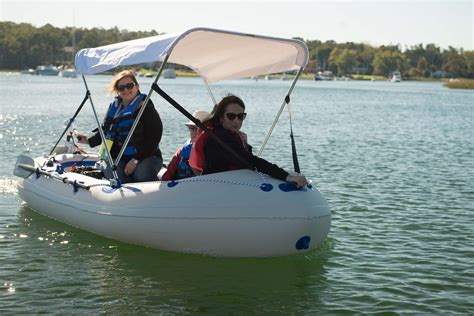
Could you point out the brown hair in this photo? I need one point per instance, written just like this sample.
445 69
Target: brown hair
219 109
123 74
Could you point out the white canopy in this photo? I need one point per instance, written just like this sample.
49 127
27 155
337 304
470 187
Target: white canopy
214 54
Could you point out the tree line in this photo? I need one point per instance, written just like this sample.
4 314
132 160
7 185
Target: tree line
26 46
416 61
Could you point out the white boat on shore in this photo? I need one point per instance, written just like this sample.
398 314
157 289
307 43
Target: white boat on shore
396 76
240 213
169 73
68 73
47 70
29 71
324 76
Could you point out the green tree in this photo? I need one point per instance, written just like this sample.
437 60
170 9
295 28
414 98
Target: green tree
365 58
469 60
320 52
433 56
455 64
423 67
388 61
333 59
346 61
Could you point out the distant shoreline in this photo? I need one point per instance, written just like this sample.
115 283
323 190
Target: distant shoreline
453 84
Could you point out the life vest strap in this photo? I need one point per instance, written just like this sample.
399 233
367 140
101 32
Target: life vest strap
296 164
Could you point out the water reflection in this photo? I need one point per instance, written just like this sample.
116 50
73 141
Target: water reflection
203 284
99 274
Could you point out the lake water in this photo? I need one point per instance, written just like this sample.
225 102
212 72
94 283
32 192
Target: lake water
394 160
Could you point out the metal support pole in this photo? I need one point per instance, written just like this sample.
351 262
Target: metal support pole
279 112
101 132
210 94
71 120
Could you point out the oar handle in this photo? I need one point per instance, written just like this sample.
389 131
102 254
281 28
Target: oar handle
49 174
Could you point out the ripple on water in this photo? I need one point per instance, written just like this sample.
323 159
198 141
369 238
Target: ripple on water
8 186
394 162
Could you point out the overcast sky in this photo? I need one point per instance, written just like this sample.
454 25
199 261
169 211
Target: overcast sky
445 23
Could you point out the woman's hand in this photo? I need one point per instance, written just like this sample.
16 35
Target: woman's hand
81 138
130 167
299 181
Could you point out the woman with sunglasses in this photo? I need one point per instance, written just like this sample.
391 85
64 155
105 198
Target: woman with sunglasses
225 122
141 160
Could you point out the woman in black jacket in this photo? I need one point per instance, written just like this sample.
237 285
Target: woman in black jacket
226 121
141 160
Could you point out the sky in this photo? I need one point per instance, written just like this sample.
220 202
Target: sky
405 23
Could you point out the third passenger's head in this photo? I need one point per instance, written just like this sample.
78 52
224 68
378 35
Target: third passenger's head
229 113
202 116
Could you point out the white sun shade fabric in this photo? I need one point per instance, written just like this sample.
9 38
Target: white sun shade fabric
214 54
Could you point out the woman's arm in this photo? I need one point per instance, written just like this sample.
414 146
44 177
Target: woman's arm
218 159
153 129
94 140
269 168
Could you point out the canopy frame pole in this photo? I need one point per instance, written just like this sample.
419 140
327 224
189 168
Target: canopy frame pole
102 136
210 94
202 126
285 101
71 120
142 108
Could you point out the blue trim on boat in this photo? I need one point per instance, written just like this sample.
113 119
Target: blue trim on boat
108 189
78 163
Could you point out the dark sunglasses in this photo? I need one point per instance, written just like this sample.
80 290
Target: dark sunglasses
129 86
231 116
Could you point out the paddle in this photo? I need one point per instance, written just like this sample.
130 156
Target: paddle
24 167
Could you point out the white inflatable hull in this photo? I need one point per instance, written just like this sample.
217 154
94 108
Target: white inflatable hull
226 214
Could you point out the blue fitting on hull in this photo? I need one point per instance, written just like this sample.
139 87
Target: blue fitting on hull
266 187
75 186
59 169
290 186
303 243
172 184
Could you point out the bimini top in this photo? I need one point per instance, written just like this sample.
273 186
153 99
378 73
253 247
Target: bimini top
214 54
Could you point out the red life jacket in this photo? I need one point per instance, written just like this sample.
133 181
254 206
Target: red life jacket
196 157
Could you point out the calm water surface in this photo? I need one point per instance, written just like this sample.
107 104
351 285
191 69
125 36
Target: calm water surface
395 162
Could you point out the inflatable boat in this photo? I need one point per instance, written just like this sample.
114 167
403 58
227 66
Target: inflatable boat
240 213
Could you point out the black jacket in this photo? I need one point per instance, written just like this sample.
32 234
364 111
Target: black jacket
218 159
150 129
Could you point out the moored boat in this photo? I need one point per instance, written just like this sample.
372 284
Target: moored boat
169 73
396 76
29 71
47 70
68 73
